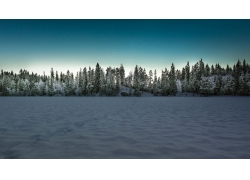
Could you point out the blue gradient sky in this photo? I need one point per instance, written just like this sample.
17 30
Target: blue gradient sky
38 45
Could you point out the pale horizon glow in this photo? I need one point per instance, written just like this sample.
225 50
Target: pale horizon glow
40 67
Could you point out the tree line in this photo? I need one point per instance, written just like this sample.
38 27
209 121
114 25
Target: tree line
200 79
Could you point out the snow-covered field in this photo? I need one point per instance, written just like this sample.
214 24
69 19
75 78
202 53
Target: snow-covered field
124 127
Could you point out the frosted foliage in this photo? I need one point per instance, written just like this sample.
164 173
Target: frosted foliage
39 85
58 88
207 83
179 85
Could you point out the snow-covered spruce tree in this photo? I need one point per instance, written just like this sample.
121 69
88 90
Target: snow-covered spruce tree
207 71
243 85
72 87
12 89
80 83
40 88
136 82
155 88
130 82
110 86
227 87
185 77
179 85
243 80
150 81
158 85
145 75
206 85
183 72
85 82
20 87
97 78
164 83
218 80
76 82
61 77
141 78
57 77
6 82
198 71
212 70
91 82
117 80
122 74
50 83
26 87
32 86
236 75
102 83
172 81
67 82
178 74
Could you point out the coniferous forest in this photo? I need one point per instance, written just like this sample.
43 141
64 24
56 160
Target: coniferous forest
200 78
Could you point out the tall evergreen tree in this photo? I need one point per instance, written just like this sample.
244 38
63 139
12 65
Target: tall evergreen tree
172 78
57 78
150 80
97 78
183 73
207 70
136 78
122 74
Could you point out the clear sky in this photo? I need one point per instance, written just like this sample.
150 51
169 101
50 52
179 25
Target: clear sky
38 45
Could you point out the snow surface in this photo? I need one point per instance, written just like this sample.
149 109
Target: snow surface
124 127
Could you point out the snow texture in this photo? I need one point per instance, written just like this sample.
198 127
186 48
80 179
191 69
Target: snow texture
124 127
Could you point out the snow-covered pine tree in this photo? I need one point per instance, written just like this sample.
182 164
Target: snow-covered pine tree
117 80
72 87
102 83
6 82
122 74
57 77
178 74
76 82
91 82
52 76
164 83
207 71
85 81
243 80
185 84
183 72
97 78
206 86
236 75
150 81
80 84
212 70
32 86
155 88
136 82
141 78
110 87
227 85
172 81
61 77
136 78
130 82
